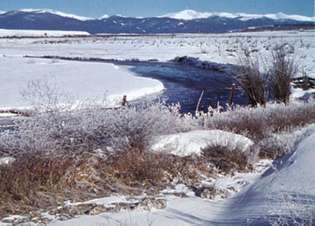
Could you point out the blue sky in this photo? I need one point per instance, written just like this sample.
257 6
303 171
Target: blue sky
95 8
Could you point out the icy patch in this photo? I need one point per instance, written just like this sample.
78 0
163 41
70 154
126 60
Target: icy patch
185 144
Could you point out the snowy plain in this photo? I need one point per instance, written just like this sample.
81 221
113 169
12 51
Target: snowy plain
218 48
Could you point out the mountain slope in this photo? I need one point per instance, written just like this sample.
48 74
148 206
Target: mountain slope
183 22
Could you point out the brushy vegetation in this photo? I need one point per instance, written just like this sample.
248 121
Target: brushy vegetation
274 82
86 152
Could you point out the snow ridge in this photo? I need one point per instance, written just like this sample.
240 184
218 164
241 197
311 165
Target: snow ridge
55 12
192 15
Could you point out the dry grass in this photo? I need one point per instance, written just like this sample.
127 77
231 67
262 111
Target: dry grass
38 181
225 159
25 181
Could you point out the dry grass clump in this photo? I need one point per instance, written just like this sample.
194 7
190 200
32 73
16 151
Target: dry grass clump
225 159
38 181
25 182
137 167
147 169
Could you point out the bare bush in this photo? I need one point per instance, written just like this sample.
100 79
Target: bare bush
44 95
251 79
283 70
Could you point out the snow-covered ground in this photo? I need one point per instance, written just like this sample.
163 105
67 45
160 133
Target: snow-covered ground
77 80
40 33
222 48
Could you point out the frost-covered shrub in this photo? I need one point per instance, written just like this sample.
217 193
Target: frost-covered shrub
134 126
259 123
94 127
276 146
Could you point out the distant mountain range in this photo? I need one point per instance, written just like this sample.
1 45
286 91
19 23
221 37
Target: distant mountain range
187 21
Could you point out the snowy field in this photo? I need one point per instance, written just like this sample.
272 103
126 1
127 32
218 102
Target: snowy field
221 48
39 33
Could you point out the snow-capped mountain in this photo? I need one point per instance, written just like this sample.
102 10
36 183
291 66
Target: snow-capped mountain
192 15
188 15
54 12
187 21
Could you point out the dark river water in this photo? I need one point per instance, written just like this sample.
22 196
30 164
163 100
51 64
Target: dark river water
184 85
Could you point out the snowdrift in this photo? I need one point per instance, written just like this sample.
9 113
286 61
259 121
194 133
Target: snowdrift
185 144
286 191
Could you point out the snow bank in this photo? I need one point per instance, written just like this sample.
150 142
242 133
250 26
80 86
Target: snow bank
285 189
298 93
81 80
40 33
6 160
185 144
